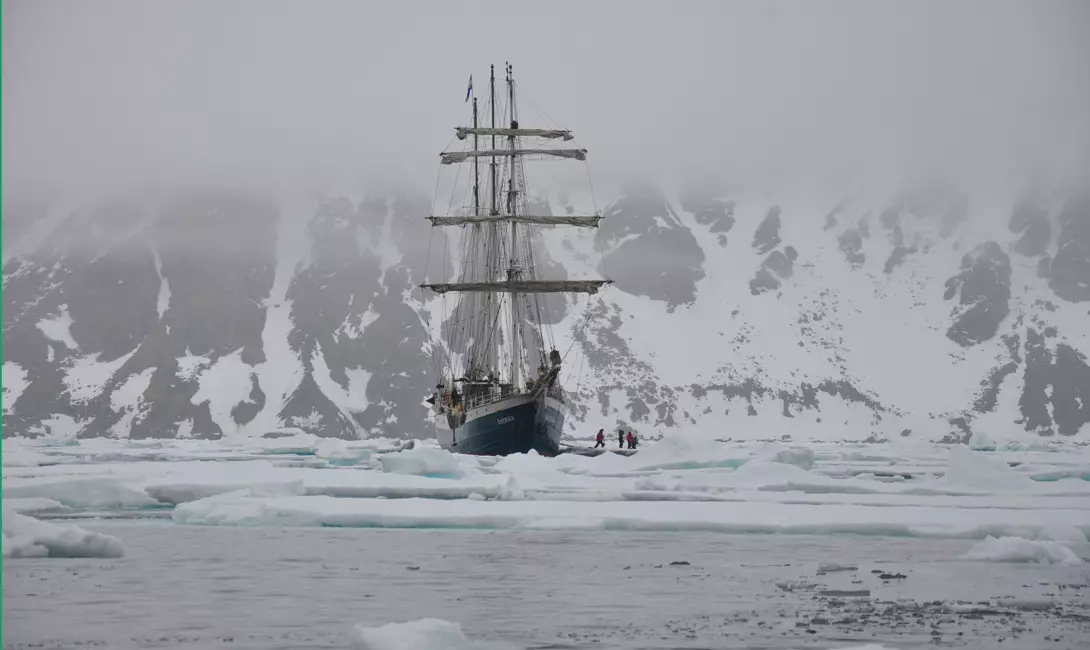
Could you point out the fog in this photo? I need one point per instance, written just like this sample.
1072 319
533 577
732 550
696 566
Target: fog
107 94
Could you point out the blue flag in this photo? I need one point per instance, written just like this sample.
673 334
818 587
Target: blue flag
469 91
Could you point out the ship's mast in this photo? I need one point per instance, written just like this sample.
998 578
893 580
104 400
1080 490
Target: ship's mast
492 102
479 316
512 268
476 168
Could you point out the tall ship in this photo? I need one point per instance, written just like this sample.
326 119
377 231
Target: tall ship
499 388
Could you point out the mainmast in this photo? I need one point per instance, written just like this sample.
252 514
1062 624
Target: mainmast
512 268
492 103
476 168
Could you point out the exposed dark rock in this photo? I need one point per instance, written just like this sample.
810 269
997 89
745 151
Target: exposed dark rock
983 286
831 218
891 220
244 412
309 409
767 235
553 306
897 257
778 265
1037 376
663 261
1070 390
851 243
717 214
1030 218
989 388
1044 267
1067 374
1069 271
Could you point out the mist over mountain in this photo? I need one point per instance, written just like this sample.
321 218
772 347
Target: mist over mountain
742 313
868 222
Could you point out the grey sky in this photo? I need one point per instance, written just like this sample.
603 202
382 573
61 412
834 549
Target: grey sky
104 93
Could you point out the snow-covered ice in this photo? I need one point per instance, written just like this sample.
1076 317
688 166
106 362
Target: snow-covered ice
26 536
440 634
1017 549
421 634
683 483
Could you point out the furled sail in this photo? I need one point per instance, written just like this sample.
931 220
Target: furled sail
582 221
448 157
463 131
521 286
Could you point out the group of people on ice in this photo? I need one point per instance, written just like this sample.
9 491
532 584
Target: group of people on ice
630 438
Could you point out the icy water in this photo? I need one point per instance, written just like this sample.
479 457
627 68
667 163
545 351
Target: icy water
271 587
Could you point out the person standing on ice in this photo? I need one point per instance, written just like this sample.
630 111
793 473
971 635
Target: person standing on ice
620 437
634 440
600 439
630 441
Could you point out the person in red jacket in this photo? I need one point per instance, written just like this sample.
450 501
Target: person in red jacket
631 440
600 439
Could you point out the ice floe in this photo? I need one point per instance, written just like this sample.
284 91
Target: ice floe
1017 549
421 634
681 483
26 536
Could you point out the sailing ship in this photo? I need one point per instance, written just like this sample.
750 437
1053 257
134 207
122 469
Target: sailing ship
499 391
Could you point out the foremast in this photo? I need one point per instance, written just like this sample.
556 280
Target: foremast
516 278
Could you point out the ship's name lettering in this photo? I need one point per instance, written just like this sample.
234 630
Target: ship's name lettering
509 418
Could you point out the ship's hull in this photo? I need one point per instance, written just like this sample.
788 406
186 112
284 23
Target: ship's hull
511 426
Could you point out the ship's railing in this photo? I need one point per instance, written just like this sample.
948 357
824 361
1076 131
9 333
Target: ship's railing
482 396
485 394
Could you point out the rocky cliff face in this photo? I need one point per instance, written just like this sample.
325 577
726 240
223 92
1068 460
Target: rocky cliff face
746 314
215 314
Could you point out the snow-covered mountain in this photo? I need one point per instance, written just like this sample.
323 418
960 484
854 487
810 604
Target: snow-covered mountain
926 312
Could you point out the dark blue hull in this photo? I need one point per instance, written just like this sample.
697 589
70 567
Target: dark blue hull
513 430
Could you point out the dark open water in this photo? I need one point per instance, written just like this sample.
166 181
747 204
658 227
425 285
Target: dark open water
190 587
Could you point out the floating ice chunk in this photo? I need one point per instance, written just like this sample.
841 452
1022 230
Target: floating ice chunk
421 634
970 469
174 494
434 463
511 490
336 452
711 516
17 457
34 505
1061 533
86 493
1017 549
799 456
28 537
685 452
981 442
246 507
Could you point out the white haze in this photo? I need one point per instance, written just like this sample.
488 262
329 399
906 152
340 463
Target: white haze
105 95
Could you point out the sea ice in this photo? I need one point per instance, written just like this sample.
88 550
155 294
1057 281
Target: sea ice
435 463
981 442
84 493
1017 549
972 469
28 537
421 634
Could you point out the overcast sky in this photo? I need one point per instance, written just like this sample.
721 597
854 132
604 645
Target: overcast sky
107 92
